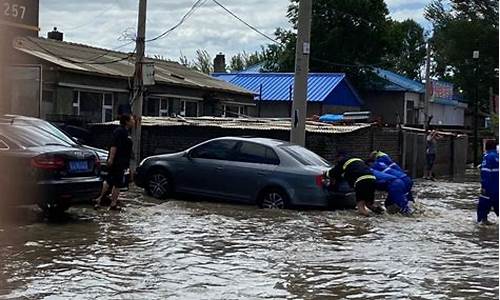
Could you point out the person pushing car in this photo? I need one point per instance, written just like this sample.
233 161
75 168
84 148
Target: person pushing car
359 177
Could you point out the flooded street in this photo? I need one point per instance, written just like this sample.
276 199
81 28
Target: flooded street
206 250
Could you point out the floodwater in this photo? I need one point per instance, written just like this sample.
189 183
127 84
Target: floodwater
206 250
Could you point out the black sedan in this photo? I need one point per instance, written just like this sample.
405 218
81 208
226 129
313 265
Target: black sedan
38 168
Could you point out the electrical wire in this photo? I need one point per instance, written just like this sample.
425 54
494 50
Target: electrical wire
194 7
246 23
281 44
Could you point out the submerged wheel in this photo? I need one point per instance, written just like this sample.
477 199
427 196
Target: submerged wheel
159 185
274 199
53 211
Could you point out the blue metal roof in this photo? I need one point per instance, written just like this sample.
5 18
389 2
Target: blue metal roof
396 82
329 88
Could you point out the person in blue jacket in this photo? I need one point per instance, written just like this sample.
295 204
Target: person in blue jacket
384 168
489 183
396 191
379 156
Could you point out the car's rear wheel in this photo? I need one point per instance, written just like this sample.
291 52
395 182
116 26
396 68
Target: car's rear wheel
53 210
159 185
274 198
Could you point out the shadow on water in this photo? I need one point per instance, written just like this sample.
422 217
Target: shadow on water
214 250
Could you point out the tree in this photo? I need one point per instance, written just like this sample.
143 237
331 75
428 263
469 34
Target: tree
406 48
203 62
346 36
460 29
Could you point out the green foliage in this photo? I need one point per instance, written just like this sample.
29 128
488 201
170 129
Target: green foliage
459 30
406 48
350 36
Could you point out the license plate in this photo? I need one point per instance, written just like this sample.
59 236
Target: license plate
78 166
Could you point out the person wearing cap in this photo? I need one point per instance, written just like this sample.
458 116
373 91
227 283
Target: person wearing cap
489 184
397 194
382 157
359 177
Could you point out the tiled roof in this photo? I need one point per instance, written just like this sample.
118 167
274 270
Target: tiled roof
83 58
248 124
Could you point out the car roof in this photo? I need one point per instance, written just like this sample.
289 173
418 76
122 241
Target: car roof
258 140
11 118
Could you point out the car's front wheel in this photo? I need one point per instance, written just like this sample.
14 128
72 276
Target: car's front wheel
274 198
159 185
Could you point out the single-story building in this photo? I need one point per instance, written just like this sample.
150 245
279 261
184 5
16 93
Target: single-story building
326 93
396 99
89 82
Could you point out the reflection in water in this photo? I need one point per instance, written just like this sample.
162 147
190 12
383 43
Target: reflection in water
192 250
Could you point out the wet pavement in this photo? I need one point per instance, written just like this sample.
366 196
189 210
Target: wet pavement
208 250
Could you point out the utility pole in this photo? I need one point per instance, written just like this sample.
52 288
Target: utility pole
428 86
475 56
303 49
137 99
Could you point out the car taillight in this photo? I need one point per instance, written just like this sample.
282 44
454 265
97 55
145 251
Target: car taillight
47 162
322 181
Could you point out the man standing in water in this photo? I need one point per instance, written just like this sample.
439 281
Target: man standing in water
119 157
489 184
360 178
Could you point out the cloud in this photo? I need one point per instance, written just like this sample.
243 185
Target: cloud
102 23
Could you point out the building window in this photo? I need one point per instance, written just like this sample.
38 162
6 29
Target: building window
189 108
76 103
93 106
157 107
233 111
107 108
164 108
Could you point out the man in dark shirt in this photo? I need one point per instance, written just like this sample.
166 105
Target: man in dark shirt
118 160
360 178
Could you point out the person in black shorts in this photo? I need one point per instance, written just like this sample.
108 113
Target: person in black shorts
360 178
118 161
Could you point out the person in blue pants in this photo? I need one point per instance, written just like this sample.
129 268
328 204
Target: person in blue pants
396 191
395 171
489 184
381 158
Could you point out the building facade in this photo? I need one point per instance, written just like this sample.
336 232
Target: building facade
328 93
80 81
395 99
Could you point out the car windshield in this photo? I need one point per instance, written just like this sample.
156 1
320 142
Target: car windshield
304 156
49 129
31 136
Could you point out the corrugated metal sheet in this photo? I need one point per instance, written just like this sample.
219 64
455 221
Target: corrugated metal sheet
84 58
322 87
398 82
248 124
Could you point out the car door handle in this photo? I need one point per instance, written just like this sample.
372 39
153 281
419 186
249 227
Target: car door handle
218 169
262 173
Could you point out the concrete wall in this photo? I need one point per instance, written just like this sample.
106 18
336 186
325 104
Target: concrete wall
385 105
447 114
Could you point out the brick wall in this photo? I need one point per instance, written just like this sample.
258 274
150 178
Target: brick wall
169 139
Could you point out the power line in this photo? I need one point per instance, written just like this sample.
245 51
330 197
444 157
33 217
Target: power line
246 23
281 44
194 7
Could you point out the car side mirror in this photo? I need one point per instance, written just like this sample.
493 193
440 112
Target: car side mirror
187 154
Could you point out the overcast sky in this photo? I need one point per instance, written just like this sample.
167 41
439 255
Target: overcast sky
103 23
